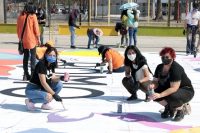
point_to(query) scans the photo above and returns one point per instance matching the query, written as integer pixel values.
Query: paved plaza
(91, 97)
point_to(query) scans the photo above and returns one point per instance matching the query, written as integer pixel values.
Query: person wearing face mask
(44, 85)
(173, 89)
(138, 75)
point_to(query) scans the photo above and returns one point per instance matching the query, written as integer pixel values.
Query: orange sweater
(116, 57)
(31, 33)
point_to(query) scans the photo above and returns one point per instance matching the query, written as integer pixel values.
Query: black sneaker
(132, 97)
(166, 113)
(179, 115)
(73, 47)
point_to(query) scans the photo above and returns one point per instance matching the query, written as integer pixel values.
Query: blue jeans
(72, 31)
(191, 38)
(36, 95)
(132, 35)
(91, 38)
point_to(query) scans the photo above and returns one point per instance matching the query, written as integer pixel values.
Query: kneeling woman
(44, 85)
(173, 88)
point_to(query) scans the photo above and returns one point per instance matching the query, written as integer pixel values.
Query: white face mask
(131, 57)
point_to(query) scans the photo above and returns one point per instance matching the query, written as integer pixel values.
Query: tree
(177, 10)
(159, 15)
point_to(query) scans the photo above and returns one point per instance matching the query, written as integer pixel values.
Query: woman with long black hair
(137, 72)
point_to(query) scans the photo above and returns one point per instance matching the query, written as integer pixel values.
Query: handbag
(20, 44)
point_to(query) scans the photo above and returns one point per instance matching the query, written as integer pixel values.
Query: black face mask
(166, 61)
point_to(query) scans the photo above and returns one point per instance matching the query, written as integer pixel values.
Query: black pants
(177, 99)
(27, 53)
(132, 86)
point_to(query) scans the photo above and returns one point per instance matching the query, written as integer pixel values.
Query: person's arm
(127, 71)
(55, 78)
(36, 29)
(110, 65)
(45, 85)
(174, 86)
(146, 75)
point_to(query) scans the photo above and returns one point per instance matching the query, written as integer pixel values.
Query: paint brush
(63, 106)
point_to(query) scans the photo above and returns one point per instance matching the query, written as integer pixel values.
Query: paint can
(101, 69)
(151, 92)
(119, 108)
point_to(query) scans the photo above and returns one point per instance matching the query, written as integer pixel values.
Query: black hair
(30, 8)
(195, 5)
(104, 53)
(140, 59)
(135, 14)
(49, 50)
(124, 12)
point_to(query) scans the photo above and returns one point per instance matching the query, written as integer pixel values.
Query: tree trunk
(159, 15)
(177, 11)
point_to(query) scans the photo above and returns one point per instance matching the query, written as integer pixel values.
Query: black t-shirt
(41, 15)
(41, 68)
(176, 73)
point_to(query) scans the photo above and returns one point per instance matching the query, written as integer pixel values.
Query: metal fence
(59, 13)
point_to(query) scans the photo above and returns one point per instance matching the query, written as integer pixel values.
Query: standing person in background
(124, 28)
(41, 17)
(72, 25)
(137, 72)
(31, 37)
(114, 59)
(191, 26)
(132, 23)
(94, 35)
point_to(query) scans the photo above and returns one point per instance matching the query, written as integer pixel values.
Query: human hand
(155, 96)
(183, 32)
(97, 65)
(49, 97)
(64, 61)
(57, 97)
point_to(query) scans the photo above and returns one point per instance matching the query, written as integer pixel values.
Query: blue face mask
(50, 59)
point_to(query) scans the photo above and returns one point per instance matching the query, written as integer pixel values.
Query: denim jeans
(191, 38)
(72, 31)
(91, 38)
(27, 53)
(132, 35)
(36, 95)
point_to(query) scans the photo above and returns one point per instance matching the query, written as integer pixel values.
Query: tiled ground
(91, 100)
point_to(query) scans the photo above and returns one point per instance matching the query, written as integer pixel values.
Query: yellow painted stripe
(107, 30)
(80, 53)
(190, 130)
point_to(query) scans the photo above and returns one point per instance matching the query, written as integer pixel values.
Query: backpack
(118, 26)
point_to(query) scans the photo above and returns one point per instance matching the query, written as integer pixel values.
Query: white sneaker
(46, 106)
(30, 106)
